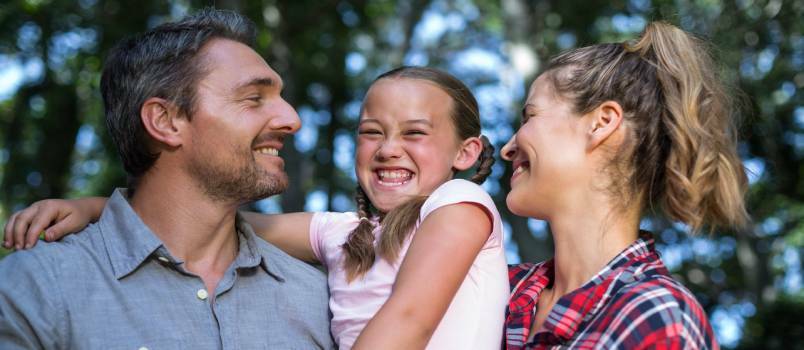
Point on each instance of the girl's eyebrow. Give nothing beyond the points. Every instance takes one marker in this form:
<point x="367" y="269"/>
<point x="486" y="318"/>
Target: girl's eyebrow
<point x="368" y="120"/>
<point x="426" y="122"/>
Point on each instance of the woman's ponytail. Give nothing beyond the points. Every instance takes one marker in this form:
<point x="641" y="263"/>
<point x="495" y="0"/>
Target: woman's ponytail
<point x="681" y="149"/>
<point x="704" y="179"/>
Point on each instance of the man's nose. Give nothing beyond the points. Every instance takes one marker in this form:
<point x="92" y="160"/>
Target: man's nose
<point x="509" y="150"/>
<point x="284" y="117"/>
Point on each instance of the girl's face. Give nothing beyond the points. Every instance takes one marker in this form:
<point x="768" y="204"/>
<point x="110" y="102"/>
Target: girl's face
<point x="406" y="142"/>
<point x="548" y="152"/>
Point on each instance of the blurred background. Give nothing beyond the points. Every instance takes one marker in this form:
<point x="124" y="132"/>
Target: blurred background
<point x="53" y="142"/>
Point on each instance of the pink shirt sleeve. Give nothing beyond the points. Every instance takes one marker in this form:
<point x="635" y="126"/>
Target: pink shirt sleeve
<point x="328" y="231"/>
<point x="463" y="191"/>
<point x="318" y="225"/>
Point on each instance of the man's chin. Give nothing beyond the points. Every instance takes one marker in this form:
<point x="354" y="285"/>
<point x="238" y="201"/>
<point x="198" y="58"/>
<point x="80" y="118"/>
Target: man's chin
<point x="270" y="186"/>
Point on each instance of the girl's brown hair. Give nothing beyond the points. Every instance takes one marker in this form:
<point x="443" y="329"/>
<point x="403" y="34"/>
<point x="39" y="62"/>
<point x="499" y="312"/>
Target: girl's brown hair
<point x="399" y="223"/>
<point x="681" y="151"/>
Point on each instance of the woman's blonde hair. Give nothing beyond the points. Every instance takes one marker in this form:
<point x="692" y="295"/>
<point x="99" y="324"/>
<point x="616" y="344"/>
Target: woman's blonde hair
<point x="681" y="154"/>
<point x="399" y="223"/>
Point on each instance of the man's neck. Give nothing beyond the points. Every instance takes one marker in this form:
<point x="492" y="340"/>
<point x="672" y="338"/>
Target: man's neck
<point x="194" y="228"/>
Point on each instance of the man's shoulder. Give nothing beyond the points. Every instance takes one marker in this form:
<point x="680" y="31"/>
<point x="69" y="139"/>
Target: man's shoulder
<point x="63" y="255"/>
<point x="293" y="269"/>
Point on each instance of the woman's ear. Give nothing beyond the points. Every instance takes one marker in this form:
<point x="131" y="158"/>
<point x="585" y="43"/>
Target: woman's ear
<point x="468" y="154"/>
<point x="162" y="122"/>
<point x="605" y="121"/>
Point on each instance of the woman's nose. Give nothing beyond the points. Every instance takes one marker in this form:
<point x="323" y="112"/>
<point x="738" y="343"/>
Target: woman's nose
<point x="509" y="150"/>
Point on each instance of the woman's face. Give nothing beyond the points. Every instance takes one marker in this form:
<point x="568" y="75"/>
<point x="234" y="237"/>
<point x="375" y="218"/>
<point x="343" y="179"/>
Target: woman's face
<point x="548" y="154"/>
<point x="406" y="142"/>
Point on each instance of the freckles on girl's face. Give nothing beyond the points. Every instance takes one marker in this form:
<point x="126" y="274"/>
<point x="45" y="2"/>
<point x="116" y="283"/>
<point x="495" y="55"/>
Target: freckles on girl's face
<point x="406" y="142"/>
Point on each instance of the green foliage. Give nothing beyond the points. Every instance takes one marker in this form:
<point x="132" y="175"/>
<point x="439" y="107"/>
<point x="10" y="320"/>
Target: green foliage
<point x="53" y="141"/>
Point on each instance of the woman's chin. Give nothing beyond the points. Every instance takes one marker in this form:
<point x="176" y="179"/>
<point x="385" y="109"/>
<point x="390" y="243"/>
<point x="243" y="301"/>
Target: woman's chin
<point x="515" y="205"/>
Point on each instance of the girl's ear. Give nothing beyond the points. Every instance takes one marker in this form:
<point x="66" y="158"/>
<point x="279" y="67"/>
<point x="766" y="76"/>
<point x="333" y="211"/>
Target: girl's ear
<point x="162" y="122"/>
<point x="468" y="153"/>
<point x="605" y="121"/>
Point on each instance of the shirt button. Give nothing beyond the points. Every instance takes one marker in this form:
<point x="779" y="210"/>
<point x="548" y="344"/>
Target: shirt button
<point x="163" y="259"/>
<point x="202" y="294"/>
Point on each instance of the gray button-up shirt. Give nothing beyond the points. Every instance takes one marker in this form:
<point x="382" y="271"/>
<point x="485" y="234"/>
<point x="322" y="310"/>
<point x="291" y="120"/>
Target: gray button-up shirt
<point x="115" y="286"/>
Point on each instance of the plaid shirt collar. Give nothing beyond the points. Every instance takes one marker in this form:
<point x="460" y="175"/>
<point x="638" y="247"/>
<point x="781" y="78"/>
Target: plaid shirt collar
<point x="574" y="308"/>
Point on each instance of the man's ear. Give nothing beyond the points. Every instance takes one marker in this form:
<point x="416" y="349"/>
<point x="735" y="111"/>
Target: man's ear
<point x="468" y="153"/>
<point x="605" y="121"/>
<point x="162" y="122"/>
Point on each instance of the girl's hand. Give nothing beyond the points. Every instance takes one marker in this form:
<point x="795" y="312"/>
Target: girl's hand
<point x="56" y="217"/>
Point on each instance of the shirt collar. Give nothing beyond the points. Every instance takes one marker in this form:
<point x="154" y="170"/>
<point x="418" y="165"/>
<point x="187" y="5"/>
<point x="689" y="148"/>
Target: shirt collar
<point x="255" y="251"/>
<point x="581" y="304"/>
<point x="129" y="242"/>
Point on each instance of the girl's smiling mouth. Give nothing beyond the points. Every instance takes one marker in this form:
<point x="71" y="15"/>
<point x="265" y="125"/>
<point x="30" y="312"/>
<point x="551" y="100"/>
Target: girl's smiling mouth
<point x="393" y="177"/>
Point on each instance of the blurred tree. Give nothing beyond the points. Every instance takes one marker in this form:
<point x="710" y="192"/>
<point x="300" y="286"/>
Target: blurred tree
<point x="53" y="141"/>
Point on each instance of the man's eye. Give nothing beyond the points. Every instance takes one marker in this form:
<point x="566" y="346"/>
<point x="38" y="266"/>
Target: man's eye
<point x="255" y="98"/>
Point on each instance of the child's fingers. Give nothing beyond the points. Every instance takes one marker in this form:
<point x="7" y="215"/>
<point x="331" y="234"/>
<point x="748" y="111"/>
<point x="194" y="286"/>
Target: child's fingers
<point x="40" y="221"/>
<point x="21" y="224"/>
<point x="8" y="231"/>
<point x="60" y="228"/>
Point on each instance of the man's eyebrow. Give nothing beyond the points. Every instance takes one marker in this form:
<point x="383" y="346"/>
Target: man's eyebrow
<point x="262" y="81"/>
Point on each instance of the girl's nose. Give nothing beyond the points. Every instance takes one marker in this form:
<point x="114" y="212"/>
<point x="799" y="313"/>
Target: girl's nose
<point x="509" y="150"/>
<point x="389" y="149"/>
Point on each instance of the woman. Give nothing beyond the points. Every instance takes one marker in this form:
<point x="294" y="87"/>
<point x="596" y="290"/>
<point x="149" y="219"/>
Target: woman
<point x="607" y="132"/>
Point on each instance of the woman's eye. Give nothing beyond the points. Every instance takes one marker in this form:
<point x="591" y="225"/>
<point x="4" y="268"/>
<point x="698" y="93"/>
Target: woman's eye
<point x="415" y="132"/>
<point x="368" y="132"/>
<point x="255" y="98"/>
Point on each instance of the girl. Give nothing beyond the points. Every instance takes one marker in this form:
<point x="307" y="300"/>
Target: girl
<point x="608" y="131"/>
<point x="421" y="263"/>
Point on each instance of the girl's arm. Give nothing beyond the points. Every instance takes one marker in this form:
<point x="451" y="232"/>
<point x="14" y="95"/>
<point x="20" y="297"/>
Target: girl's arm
<point x="289" y="232"/>
<point x="57" y="217"/>
<point x="443" y="249"/>
<point x="60" y="217"/>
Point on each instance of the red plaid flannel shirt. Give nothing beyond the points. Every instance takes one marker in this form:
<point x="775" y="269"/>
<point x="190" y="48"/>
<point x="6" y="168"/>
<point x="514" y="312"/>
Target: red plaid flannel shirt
<point x="632" y="303"/>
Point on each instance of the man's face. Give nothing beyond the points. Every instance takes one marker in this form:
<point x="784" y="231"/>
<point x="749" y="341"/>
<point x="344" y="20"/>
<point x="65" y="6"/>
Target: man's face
<point x="238" y="125"/>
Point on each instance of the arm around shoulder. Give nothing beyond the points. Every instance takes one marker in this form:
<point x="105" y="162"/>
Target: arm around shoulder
<point x="32" y="311"/>
<point x="289" y="232"/>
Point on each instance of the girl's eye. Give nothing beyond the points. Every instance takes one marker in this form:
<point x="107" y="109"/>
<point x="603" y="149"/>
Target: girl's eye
<point x="415" y="132"/>
<point x="368" y="132"/>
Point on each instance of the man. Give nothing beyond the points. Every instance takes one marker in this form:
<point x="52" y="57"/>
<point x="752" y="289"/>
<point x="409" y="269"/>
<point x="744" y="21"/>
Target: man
<point x="198" y="121"/>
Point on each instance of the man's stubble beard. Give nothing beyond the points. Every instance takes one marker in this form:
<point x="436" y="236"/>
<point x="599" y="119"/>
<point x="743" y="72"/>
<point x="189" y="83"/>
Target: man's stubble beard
<point x="238" y="178"/>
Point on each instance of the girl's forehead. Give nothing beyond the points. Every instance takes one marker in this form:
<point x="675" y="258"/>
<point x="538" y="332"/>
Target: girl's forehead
<point x="405" y="100"/>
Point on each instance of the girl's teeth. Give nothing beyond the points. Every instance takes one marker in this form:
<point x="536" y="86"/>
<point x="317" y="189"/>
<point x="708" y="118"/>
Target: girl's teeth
<point x="385" y="174"/>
